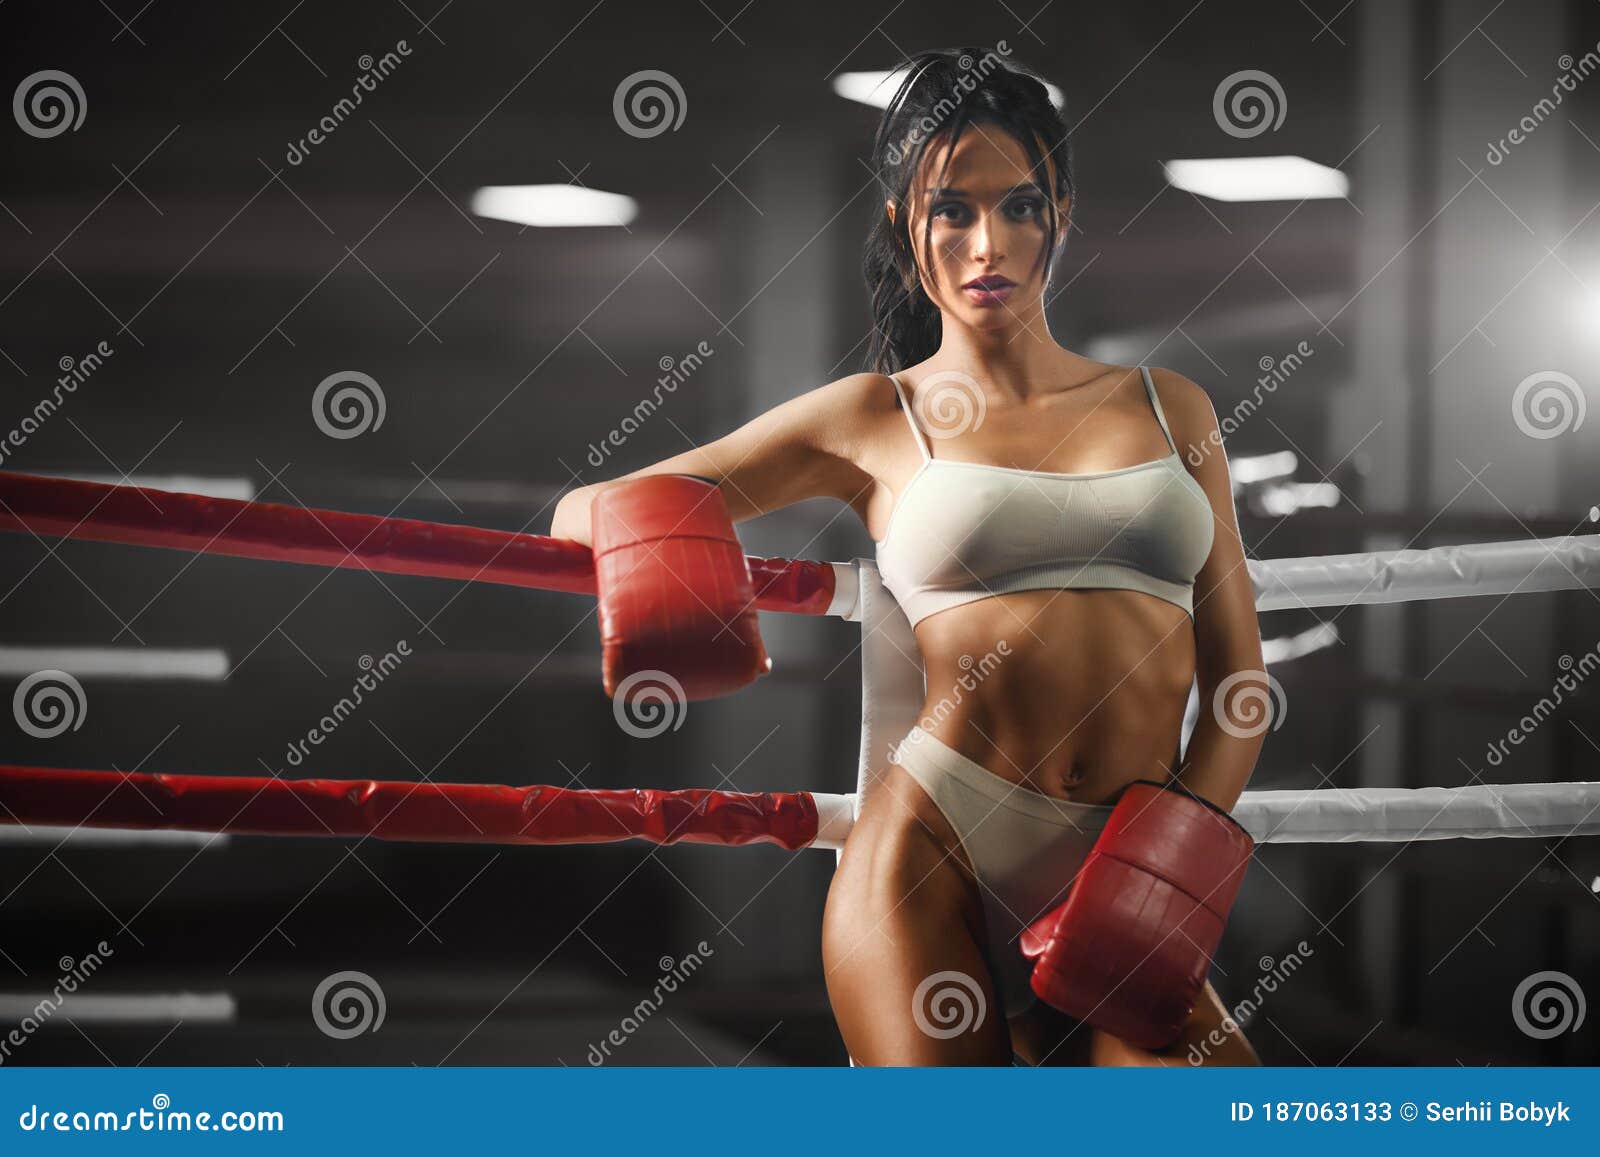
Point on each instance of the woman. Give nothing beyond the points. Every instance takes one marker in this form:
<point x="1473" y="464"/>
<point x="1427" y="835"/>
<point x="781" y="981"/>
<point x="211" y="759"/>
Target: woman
<point x="1030" y="506"/>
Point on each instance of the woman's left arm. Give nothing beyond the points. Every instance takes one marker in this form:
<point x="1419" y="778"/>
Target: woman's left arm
<point x="1231" y="729"/>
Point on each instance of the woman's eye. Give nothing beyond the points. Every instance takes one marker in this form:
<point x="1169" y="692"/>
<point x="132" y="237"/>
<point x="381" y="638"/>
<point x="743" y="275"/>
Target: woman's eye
<point x="953" y="211"/>
<point x="1024" y="208"/>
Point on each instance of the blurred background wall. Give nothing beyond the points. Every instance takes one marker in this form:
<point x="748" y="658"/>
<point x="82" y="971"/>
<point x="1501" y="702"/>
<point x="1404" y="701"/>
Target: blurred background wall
<point x="230" y="265"/>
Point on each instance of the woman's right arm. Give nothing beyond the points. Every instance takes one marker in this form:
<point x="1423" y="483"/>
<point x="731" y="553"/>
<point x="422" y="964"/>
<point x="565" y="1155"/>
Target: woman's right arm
<point x="808" y="447"/>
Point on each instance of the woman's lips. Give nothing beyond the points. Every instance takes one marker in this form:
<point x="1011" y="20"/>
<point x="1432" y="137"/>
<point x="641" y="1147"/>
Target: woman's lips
<point x="987" y="293"/>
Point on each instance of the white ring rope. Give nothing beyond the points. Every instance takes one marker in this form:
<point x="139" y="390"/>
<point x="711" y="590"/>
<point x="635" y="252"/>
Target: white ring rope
<point x="893" y="690"/>
<point x="1526" y="566"/>
<point x="1374" y="815"/>
<point x="1440" y="572"/>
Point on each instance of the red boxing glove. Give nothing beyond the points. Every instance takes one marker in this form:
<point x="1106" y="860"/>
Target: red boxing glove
<point x="1129" y="949"/>
<point x="674" y="589"/>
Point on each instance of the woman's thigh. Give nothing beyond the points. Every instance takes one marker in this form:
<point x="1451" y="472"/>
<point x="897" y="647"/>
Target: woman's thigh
<point x="900" y="942"/>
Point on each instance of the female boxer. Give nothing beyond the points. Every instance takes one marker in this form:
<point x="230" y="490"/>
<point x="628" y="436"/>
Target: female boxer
<point x="1061" y="534"/>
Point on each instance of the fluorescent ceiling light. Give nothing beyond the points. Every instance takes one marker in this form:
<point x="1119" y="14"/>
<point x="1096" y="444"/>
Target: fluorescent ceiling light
<point x="207" y="664"/>
<point x="877" y="87"/>
<point x="1296" y="496"/>
<point x="79" y="837"/>
<point x="1307" y="642"/>
<point x="1257" y="178"/>
<point x="553" y="205"/>
<point x="1252" y="468"/>
<point x="241" y="489"/>
<point x="141" y="1008"/>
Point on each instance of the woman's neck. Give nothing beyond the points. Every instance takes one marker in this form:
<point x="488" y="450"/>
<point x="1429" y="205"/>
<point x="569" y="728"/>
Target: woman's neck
<point x="1019" y="362"/>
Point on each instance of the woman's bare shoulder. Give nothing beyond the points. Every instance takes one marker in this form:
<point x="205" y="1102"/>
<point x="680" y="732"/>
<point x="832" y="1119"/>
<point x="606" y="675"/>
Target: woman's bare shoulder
<point x="844" y="410"/>
<point x="1180" y="397"/>
<point x="1190" y="414"/>
<point x="861" y="394"/>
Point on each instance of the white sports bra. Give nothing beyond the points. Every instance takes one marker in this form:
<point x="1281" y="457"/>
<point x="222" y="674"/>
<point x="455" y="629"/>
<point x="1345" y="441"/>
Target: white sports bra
<point x="964" y="531"/>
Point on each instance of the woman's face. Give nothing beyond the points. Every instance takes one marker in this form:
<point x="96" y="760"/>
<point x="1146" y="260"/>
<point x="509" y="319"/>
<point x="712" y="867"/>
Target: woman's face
<point x="989" y="212"/>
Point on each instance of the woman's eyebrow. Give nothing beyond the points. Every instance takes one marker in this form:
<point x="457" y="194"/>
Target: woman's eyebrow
<point x="949" y="191"/>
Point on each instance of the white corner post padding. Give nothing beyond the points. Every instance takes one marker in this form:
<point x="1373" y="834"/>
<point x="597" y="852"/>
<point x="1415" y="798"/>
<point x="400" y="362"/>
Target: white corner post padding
<point x="846" y="601"/>
<point x="836" y="815"/>
<point x="892" y="687"/>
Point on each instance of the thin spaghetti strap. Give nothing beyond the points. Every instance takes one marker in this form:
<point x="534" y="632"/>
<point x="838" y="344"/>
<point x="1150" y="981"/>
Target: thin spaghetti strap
<point x="916" y="431"/>
<point x="1155" y="401"/>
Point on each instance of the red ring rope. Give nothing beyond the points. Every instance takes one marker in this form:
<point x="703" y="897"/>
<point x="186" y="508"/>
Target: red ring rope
<point x="389" y="810"/>
<point x="137" y="516"/>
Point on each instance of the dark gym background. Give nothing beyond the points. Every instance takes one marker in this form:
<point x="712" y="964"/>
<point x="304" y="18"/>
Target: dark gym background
<point x="229" y="283"/>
